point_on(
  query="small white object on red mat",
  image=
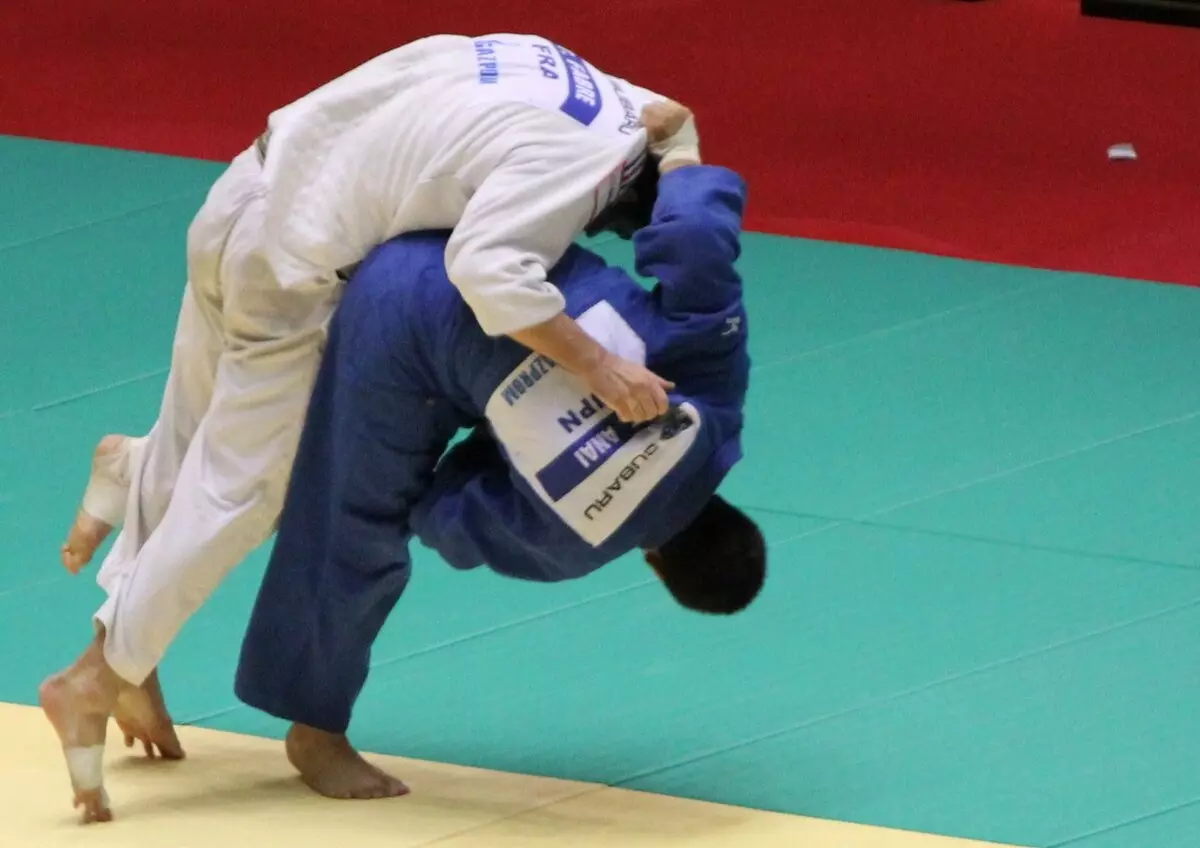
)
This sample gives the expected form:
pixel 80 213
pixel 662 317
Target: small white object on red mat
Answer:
pixel 1122 153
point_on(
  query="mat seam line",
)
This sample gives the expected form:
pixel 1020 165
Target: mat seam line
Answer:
pixel 1027 466
pixel 439 646
pixel 903 325
pixel 450 643
pixel 593 788
pixel 128 381
pixel 912 691
pixel 796 229
pixel 12 413
pixel 871 704
pixel 989 478
pixel 1129 823
pixel 34 585
pixel 105 220
pixel 478 634
pixel 51 404
pixel 969 537
pixel 760 367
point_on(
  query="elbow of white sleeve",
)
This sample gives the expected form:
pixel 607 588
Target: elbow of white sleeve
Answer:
pixel 504 309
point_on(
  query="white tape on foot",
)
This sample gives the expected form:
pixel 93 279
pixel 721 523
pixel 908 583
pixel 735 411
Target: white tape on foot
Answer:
pixel 108 486
pixel 86 765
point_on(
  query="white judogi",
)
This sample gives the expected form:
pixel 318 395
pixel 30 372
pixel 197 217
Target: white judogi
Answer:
pixel 512 141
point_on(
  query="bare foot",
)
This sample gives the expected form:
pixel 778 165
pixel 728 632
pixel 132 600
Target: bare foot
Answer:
pixel 329 766
pixel 78 702
pixel 103 501
pixel 142 716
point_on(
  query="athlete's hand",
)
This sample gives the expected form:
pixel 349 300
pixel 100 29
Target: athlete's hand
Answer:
pixel 635 393
pixel 664 118
pixel 671 134
pixel 629 390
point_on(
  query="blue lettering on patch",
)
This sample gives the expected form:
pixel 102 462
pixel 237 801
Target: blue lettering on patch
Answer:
pixel 526 379
pixel 632 121
pixel 583 456
pixel 547 64
pixel 573 419
pixel 583 101
pixel 485 58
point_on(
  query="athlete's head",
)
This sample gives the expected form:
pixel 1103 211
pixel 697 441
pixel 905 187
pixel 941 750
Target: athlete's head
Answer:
pixel 717 564
pixel 633 207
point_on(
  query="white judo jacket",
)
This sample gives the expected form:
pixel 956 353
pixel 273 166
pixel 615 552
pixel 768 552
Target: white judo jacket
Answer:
pixel 512 141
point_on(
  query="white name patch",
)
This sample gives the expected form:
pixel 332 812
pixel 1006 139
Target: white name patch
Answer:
pixel 588 466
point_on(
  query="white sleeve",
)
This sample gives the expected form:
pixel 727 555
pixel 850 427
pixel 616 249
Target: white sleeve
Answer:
pixel 640 96
pixel 525 214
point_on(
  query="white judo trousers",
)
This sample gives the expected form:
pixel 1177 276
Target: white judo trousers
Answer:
pixel 208 482
pixel 512 141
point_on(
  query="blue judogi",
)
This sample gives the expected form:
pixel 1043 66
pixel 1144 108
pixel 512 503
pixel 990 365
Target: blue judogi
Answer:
pixel 550 488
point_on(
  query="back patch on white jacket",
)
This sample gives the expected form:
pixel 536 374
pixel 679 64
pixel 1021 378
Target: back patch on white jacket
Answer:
pixel 546 75
pixel 588 466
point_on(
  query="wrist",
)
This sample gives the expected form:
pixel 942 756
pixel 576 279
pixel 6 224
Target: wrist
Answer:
pixel 594 359
pixel 666 166
pixel 682 145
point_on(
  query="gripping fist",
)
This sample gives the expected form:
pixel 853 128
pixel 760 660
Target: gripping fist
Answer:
pixel 671 133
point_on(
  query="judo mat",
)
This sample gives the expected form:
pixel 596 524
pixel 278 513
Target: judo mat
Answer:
pixel 982 619
pixel 976 130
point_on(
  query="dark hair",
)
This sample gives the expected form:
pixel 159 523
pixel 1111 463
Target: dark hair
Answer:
pixel 634 207
pixel 718 563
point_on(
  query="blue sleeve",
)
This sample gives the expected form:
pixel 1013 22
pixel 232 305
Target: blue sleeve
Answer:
pixel 693 241
pixel 476 515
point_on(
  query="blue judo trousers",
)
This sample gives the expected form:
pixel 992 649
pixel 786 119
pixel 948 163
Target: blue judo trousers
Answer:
pixel 406 367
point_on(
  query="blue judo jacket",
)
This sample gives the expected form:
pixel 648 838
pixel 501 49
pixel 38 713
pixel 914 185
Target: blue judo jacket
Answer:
pixel 549 487
pixel 480 511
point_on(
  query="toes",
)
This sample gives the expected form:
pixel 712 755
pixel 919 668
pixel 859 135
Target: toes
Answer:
pixel 386 786
pixel 95 806
pixel 72 561
pixel 396 789
pixel 157 748
pixel 82 542
pixel 389 786
pixel 173 750
pixel 131 732
pixel 372 791
pixel 97 816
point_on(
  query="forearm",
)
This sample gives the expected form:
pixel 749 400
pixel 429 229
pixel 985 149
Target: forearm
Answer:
pixel 564 341
pixel 561 338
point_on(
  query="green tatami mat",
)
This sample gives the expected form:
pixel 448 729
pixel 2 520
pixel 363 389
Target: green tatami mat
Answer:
pixel 50 188
pixel 978 484
pixel 1132 497
pixel 93 306
pixel 1174 826
pixel 892 418
pixel 1078 719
